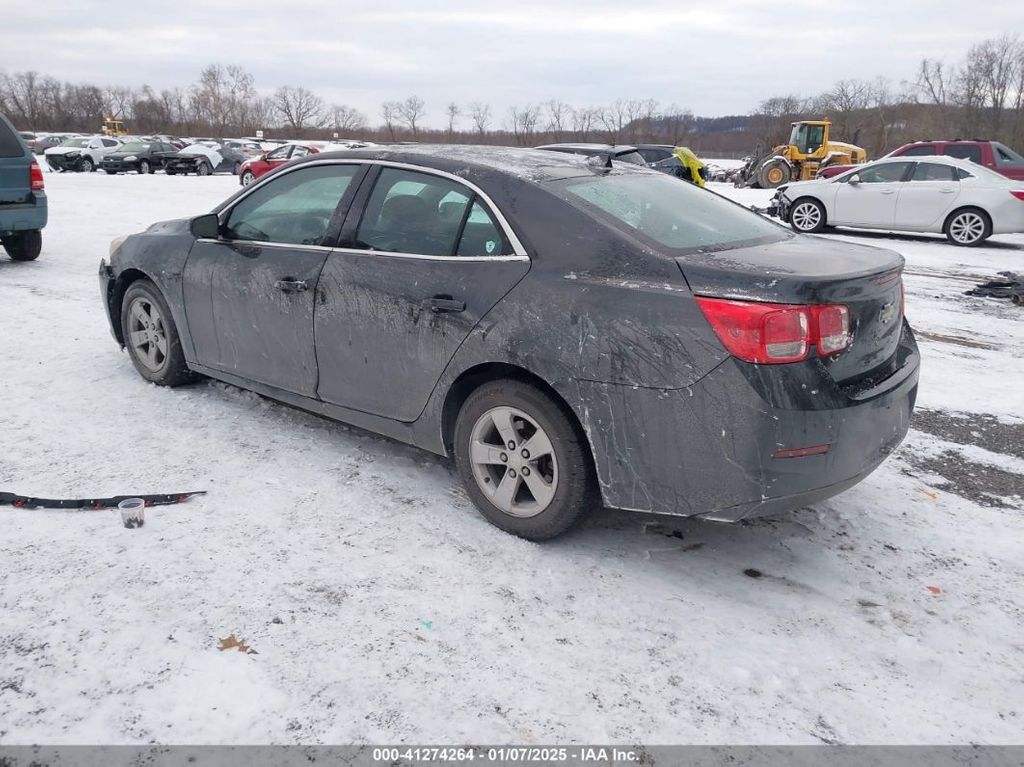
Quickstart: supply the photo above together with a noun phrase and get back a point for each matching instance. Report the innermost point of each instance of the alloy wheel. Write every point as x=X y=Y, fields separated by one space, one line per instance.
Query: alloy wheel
x=147 y=334
x=967 y=228
x=806 y=216
x=513 y=461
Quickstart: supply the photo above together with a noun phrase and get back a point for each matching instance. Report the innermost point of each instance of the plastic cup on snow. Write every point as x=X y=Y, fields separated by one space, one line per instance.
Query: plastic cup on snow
x=133 y=512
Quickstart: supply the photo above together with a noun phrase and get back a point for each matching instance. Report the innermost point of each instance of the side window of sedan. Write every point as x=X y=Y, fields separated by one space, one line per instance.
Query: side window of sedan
x=281 y=153
x=884 y=174
x=294 y=209
x=427 y=215
x=930 y=171
x=299 y=151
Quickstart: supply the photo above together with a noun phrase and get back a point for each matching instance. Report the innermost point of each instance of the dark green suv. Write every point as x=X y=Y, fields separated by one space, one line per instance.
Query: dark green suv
x=22 y=199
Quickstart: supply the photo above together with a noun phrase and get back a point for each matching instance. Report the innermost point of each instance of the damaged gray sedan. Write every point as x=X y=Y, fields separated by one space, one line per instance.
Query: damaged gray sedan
x=572 y=332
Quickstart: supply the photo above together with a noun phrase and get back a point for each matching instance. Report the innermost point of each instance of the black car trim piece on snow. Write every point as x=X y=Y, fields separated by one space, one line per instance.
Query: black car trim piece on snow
x=601 y=320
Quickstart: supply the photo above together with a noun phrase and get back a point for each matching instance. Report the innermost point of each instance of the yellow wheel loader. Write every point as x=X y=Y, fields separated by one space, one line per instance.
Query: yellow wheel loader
x=808 y=151
x=112 y=127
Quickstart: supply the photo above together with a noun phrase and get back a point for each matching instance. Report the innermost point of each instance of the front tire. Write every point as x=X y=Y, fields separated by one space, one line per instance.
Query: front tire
x=248 y=177
x=88 y=166
x=145 y=168
x=523 y=460
x=151 y=337
x=24 y=246
x=807 y=216
x=203 y=169
x=773 y=174
x=968 y=227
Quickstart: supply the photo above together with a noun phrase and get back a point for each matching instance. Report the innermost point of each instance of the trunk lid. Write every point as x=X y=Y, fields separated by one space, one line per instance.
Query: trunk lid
x=813 y=270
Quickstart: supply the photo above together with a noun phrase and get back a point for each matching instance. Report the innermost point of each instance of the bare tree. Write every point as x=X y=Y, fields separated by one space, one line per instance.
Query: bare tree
x=524 y=122
x=583 y=120
x=772 y=119
x=678 y=124
x=300 y=108
x=846 y=105
x=453 y=113
x=613 y=120
x=934 y=80
x=559 y=115
x=390 y=111
x=346 y=119
x=481 y=116
x=411 y=112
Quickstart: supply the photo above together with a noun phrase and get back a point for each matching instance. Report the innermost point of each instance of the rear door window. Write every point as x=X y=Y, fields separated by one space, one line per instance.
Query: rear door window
x=426 y=215
x=970 y=152
x=10 y=142
x=930 y=171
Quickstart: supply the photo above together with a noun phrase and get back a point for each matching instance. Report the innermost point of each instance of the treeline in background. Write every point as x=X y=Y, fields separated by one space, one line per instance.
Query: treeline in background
x=981 y=96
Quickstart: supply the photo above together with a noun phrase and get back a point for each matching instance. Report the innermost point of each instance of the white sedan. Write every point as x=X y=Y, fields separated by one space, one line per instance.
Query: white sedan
x=966 y=202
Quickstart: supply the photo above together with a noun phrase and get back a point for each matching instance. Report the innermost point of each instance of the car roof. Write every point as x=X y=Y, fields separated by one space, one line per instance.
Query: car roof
x=596 y=148
x=940 y=159
x=534 y=165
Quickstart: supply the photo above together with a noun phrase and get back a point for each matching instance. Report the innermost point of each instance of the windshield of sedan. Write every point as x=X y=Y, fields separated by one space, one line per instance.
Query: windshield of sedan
x=673 y=213
x=134 y=146
x=76 y=142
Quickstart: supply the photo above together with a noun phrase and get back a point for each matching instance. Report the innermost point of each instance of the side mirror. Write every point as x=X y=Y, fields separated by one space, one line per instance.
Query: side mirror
x=206 y=226
x=854 y=179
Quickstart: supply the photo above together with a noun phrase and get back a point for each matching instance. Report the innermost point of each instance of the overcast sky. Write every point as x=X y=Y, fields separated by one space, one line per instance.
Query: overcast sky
x=714 y=57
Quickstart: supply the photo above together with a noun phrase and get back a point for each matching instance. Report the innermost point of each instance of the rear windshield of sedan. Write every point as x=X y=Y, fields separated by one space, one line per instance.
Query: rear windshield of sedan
x=672 y=213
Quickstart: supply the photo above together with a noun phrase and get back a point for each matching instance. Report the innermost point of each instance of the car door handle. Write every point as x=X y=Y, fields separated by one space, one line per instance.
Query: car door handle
x=946 y=191
x=888 y=191
x=289 y=285
x=445 y=305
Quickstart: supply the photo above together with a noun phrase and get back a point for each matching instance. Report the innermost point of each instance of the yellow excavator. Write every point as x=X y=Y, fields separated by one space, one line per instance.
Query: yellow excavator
x=809 y=150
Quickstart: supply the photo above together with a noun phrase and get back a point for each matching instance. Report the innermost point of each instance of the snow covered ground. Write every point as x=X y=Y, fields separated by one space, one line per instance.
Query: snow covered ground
x=382 y=608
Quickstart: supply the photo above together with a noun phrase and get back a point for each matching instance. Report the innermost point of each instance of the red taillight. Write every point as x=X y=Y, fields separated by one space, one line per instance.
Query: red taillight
x=833 y=327
x=777 y=333
x=1018 y=194
x=35 y=175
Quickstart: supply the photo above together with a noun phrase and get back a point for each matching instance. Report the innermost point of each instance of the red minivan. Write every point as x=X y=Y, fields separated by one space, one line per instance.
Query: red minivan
x=266 y=162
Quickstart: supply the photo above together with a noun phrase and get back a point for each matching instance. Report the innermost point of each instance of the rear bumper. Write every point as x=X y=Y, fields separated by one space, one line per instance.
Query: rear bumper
x=25 y=217
x=707 y=450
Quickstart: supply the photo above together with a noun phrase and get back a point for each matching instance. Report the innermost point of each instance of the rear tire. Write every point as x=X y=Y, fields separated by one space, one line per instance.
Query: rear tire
x=151 y=337
x=807 y=216
x=24 y=246
x=535 y=496
x=968 y=227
